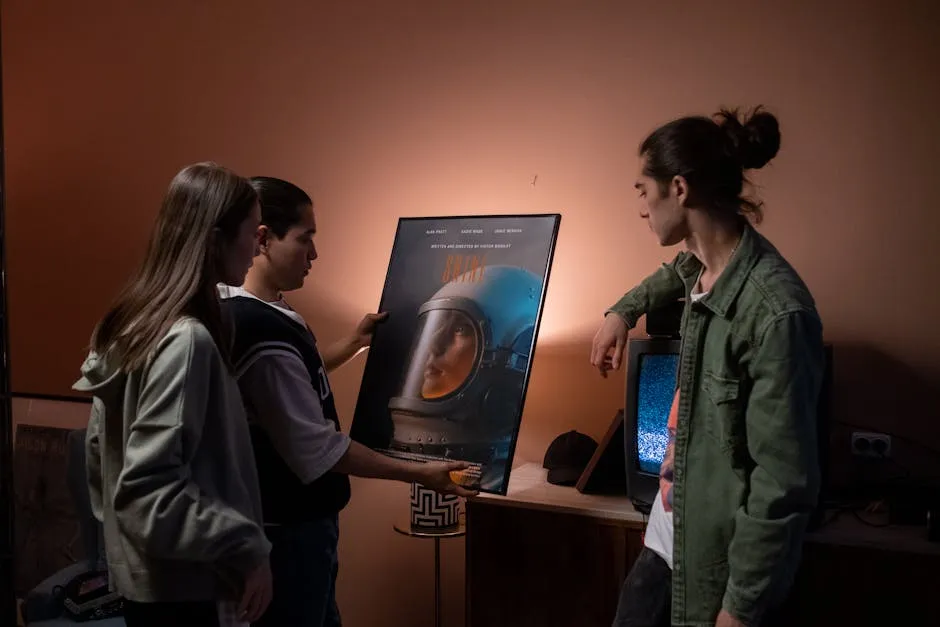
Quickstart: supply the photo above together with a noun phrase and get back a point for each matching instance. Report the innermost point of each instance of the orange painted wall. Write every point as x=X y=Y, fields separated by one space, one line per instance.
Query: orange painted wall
x=385 y=109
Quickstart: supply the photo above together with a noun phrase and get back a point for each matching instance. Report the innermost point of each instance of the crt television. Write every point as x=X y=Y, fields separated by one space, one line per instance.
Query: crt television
x=652 y=369
x=652 y=366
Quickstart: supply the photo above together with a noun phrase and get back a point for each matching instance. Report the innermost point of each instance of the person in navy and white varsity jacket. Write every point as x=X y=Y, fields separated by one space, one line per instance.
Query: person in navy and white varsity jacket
x=303 y=457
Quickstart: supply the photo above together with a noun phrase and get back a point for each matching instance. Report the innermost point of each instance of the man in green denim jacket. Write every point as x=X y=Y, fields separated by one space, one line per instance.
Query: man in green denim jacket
x=746 y=474
x=745 y=477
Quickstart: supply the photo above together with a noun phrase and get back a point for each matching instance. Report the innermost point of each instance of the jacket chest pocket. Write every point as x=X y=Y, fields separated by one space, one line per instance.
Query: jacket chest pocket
x=724 y=415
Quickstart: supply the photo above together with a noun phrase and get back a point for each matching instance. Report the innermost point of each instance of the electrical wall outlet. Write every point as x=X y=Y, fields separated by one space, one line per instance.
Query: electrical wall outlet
x=868 y=444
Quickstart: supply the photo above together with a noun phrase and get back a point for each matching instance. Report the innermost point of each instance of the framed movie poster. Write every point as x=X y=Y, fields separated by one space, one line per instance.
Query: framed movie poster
x=447 y=372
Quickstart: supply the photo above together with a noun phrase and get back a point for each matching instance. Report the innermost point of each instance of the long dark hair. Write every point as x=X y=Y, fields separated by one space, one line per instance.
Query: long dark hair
x=179 y=271
x=712 y=155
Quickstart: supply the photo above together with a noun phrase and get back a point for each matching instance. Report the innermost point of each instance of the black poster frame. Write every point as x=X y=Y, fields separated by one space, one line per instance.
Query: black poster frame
x=375 y=362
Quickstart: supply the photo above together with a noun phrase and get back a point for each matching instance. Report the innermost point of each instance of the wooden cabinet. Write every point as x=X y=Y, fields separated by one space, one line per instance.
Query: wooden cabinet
x=853 y=573
x=548 y=556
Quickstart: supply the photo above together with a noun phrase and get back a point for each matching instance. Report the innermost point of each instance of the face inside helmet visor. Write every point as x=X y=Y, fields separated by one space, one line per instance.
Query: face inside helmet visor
x=444 y=354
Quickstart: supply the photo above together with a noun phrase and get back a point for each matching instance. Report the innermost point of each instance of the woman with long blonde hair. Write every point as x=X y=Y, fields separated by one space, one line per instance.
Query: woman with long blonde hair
x=169 y=459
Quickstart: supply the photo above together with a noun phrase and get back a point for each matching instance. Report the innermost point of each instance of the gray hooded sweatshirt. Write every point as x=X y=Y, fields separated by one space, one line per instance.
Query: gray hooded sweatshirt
x=172 y=474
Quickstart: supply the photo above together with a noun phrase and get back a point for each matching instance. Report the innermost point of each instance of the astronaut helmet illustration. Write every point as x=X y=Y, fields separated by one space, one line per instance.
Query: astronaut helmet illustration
x=463 y=382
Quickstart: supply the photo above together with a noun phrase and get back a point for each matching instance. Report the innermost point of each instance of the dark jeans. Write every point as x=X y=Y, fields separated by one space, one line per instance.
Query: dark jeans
x=161 y=614
x=304 y=565
x=646 y=595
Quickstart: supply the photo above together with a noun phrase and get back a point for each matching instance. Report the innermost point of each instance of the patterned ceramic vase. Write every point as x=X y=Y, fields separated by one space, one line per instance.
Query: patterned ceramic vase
x=431 y=510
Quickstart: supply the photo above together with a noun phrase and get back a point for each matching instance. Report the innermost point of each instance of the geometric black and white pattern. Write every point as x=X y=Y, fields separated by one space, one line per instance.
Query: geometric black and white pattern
x=432 y=510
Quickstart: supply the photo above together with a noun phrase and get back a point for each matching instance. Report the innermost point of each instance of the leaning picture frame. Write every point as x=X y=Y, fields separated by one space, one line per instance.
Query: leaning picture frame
x=447 y=372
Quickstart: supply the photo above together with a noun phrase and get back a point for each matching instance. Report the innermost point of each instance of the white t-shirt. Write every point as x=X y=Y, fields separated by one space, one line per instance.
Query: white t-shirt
x=659 y=529
x=658 y=537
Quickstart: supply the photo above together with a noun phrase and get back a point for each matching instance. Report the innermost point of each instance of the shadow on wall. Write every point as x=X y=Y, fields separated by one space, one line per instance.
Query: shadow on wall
x=873 y=391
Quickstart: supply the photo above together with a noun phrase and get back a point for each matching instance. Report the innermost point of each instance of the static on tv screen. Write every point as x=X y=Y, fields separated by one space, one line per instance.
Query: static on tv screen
x=655 y=390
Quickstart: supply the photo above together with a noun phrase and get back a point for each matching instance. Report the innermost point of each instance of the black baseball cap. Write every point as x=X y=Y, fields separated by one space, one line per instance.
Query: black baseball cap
x=567 y=457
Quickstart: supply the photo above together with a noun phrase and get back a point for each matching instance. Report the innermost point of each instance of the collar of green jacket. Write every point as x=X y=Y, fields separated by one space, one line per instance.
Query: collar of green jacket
x=728 y=286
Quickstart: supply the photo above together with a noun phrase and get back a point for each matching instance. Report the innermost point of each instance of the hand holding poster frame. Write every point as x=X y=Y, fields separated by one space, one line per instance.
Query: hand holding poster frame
x=447 y=372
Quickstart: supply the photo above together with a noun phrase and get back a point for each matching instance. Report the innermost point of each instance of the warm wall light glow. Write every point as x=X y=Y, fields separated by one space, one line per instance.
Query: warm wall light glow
x=350 y=285
x=349 y=276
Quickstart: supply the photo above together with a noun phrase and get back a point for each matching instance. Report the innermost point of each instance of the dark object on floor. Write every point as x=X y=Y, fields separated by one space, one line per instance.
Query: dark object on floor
x=88 y=597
